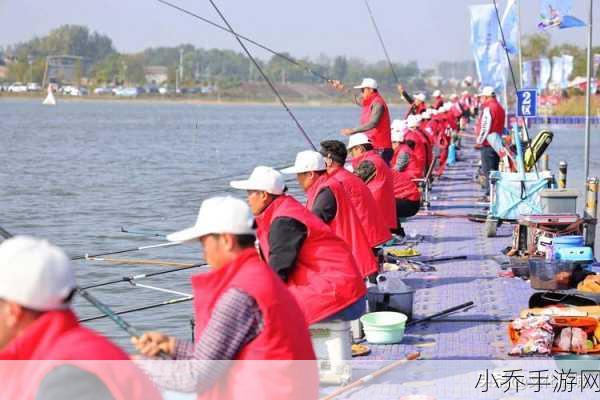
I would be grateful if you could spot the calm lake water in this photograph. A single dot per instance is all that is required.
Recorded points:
(76, 173)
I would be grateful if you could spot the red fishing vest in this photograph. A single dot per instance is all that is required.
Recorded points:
(346, 223)
(498, 116)
(415, 109)
(437, 102)
(381, 186)
(60, 340)
(412, 170)
(380, 136)
(284, 336)
(421, 151)
(325, 279)
(364, 204)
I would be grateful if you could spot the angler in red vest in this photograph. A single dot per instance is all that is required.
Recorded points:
(445, 122)
(438, 100)
(423, 151)
(243, 312)
(328, 200)
(406, 191)
(371, 219)
(317, 266)
(371, 168)
(490, 127)
(37, 283)
(416, 104)
(374, 117)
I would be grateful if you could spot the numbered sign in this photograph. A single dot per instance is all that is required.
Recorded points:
(526, 103)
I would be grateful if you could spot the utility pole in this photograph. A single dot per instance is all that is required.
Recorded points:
(588, 94)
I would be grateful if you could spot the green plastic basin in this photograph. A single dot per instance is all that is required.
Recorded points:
(384, 327)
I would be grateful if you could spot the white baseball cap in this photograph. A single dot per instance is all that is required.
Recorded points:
(488, 91)
(367, 83)
(357, 139)
(397, 135)
(426, 114)
(35, 274)
(437, 93)
(420, 96)
(264, 179)
(306, 161)
(412, 121)
(466, 92)
(218, 215)
(398, 124)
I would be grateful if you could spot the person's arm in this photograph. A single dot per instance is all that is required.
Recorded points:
(235, 320)
(376, 113)
(339, 86)
(70, 382)
(366, 171)
(286, 237)
(486, 124)
(409, 99)
(402, 161)
(325, 206)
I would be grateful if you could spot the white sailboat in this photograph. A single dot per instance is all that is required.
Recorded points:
(50, 100)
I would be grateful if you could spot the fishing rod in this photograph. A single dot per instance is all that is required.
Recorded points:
(142, 261)
(382, 42)
(265, 77)
(86, 256)
(143, 232)
(121, 323)
(132, 278)
(143, 308)
(247, 39)
(512, 74)
(5, 234)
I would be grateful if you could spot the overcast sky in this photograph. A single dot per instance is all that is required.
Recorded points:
(427, 31)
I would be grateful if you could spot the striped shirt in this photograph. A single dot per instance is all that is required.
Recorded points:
(235, 321)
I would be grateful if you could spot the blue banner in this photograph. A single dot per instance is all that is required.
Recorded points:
(528, 74)
(544, 74)
(510, 27)
(567, 70)
(557, 71)
(488, 52)
(557, 14)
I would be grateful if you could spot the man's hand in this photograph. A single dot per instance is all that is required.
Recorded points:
(400, 89)
(478, 146)
(346, 131)
(337, 85)
(151, 343)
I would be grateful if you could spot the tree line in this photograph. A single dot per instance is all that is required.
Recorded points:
(104, 65)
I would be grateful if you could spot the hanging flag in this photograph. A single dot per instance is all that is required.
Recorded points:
(486, 47)
(545, 71)
(528, 74)
(596, 61)
(557, 71)
(510, 27)
(557, 14)
(567, 70)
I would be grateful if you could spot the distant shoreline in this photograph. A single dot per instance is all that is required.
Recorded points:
(180, 100)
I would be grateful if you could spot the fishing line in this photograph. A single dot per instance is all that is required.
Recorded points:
(265, 77)
(381, 41)
(247, 39)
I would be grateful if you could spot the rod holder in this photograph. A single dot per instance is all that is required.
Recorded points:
(545, 162)
(562, 174)
(591, 210)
